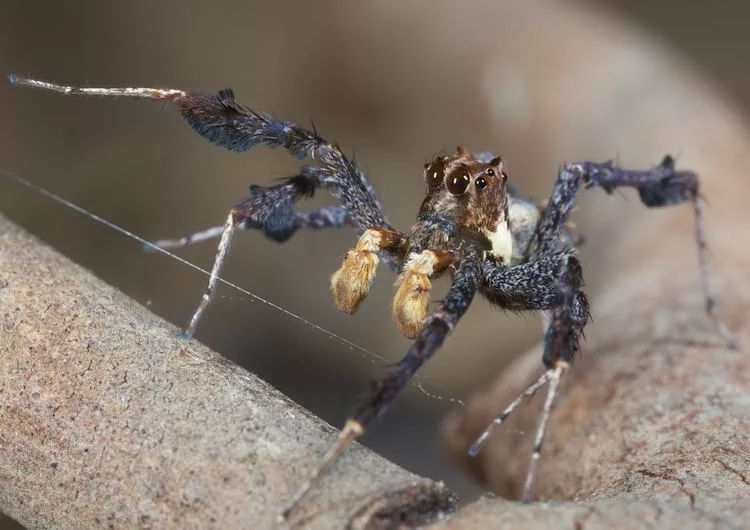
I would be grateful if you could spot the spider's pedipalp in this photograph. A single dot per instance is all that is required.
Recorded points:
(351, 283)
(413, 286)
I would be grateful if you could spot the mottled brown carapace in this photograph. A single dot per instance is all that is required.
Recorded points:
(468, 196)
(467, 190)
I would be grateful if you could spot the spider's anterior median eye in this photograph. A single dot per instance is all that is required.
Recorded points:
(480, 183)
(434, 172)
(458, 181)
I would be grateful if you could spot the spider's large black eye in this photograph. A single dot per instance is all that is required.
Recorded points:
(480, 183)
(458, 181)
(434, 173)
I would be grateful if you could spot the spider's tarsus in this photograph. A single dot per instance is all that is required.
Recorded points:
(186, 335)
(13, 79)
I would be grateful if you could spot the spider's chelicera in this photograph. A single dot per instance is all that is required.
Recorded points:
(472, 225)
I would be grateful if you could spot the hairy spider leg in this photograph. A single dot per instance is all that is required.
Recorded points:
(413, 285)
(659, 186)
(553, 282)
(383, 392)
(351, 283)
(223, 121)
(326, 217)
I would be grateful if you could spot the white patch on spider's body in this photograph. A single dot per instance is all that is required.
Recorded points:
(501, 241)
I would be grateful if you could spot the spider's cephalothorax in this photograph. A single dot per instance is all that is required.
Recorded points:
(493, 240)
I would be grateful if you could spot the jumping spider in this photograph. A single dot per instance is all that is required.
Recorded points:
(471, 223)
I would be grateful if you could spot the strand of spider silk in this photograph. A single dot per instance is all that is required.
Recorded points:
(139, 239)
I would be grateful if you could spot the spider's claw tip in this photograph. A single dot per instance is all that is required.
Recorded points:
(13, 79)
(186, 335)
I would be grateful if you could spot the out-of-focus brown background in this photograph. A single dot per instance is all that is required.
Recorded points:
(394, 82)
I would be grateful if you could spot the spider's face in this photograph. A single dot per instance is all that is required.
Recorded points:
(469, 192)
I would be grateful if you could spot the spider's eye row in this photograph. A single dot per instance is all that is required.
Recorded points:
(480, 183)
(434, 173)
(458, 181)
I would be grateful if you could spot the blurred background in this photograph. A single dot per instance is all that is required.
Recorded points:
(394, 82)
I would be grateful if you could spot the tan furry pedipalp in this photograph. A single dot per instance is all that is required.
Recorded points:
(351, 283)
(413, 287)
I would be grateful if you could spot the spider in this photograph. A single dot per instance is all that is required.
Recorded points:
(472, 224)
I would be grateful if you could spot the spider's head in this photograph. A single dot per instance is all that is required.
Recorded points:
(471, 193)
(468, 191)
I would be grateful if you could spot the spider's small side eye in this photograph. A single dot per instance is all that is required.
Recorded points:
(505, 176)
(434, 173)
(481, 182)
(458, 181)
(490, 172)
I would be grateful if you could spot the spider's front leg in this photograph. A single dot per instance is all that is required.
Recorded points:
(225, 122)
(659, 186)
(553, 283)
(382, 393)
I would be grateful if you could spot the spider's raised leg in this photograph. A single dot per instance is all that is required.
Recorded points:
(222, 120)
(383, 392)
(552, 282)
(660, 186)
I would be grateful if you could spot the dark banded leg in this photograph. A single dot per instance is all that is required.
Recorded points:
(328, 217)
(660, 186)
(222, 120)
(551, 283)
(270, 209)
(383, 392)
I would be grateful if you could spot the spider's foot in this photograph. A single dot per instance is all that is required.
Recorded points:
(186, 334)
(351, 283)
(410, 302)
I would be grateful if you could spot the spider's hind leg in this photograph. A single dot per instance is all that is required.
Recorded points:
(659, 186)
